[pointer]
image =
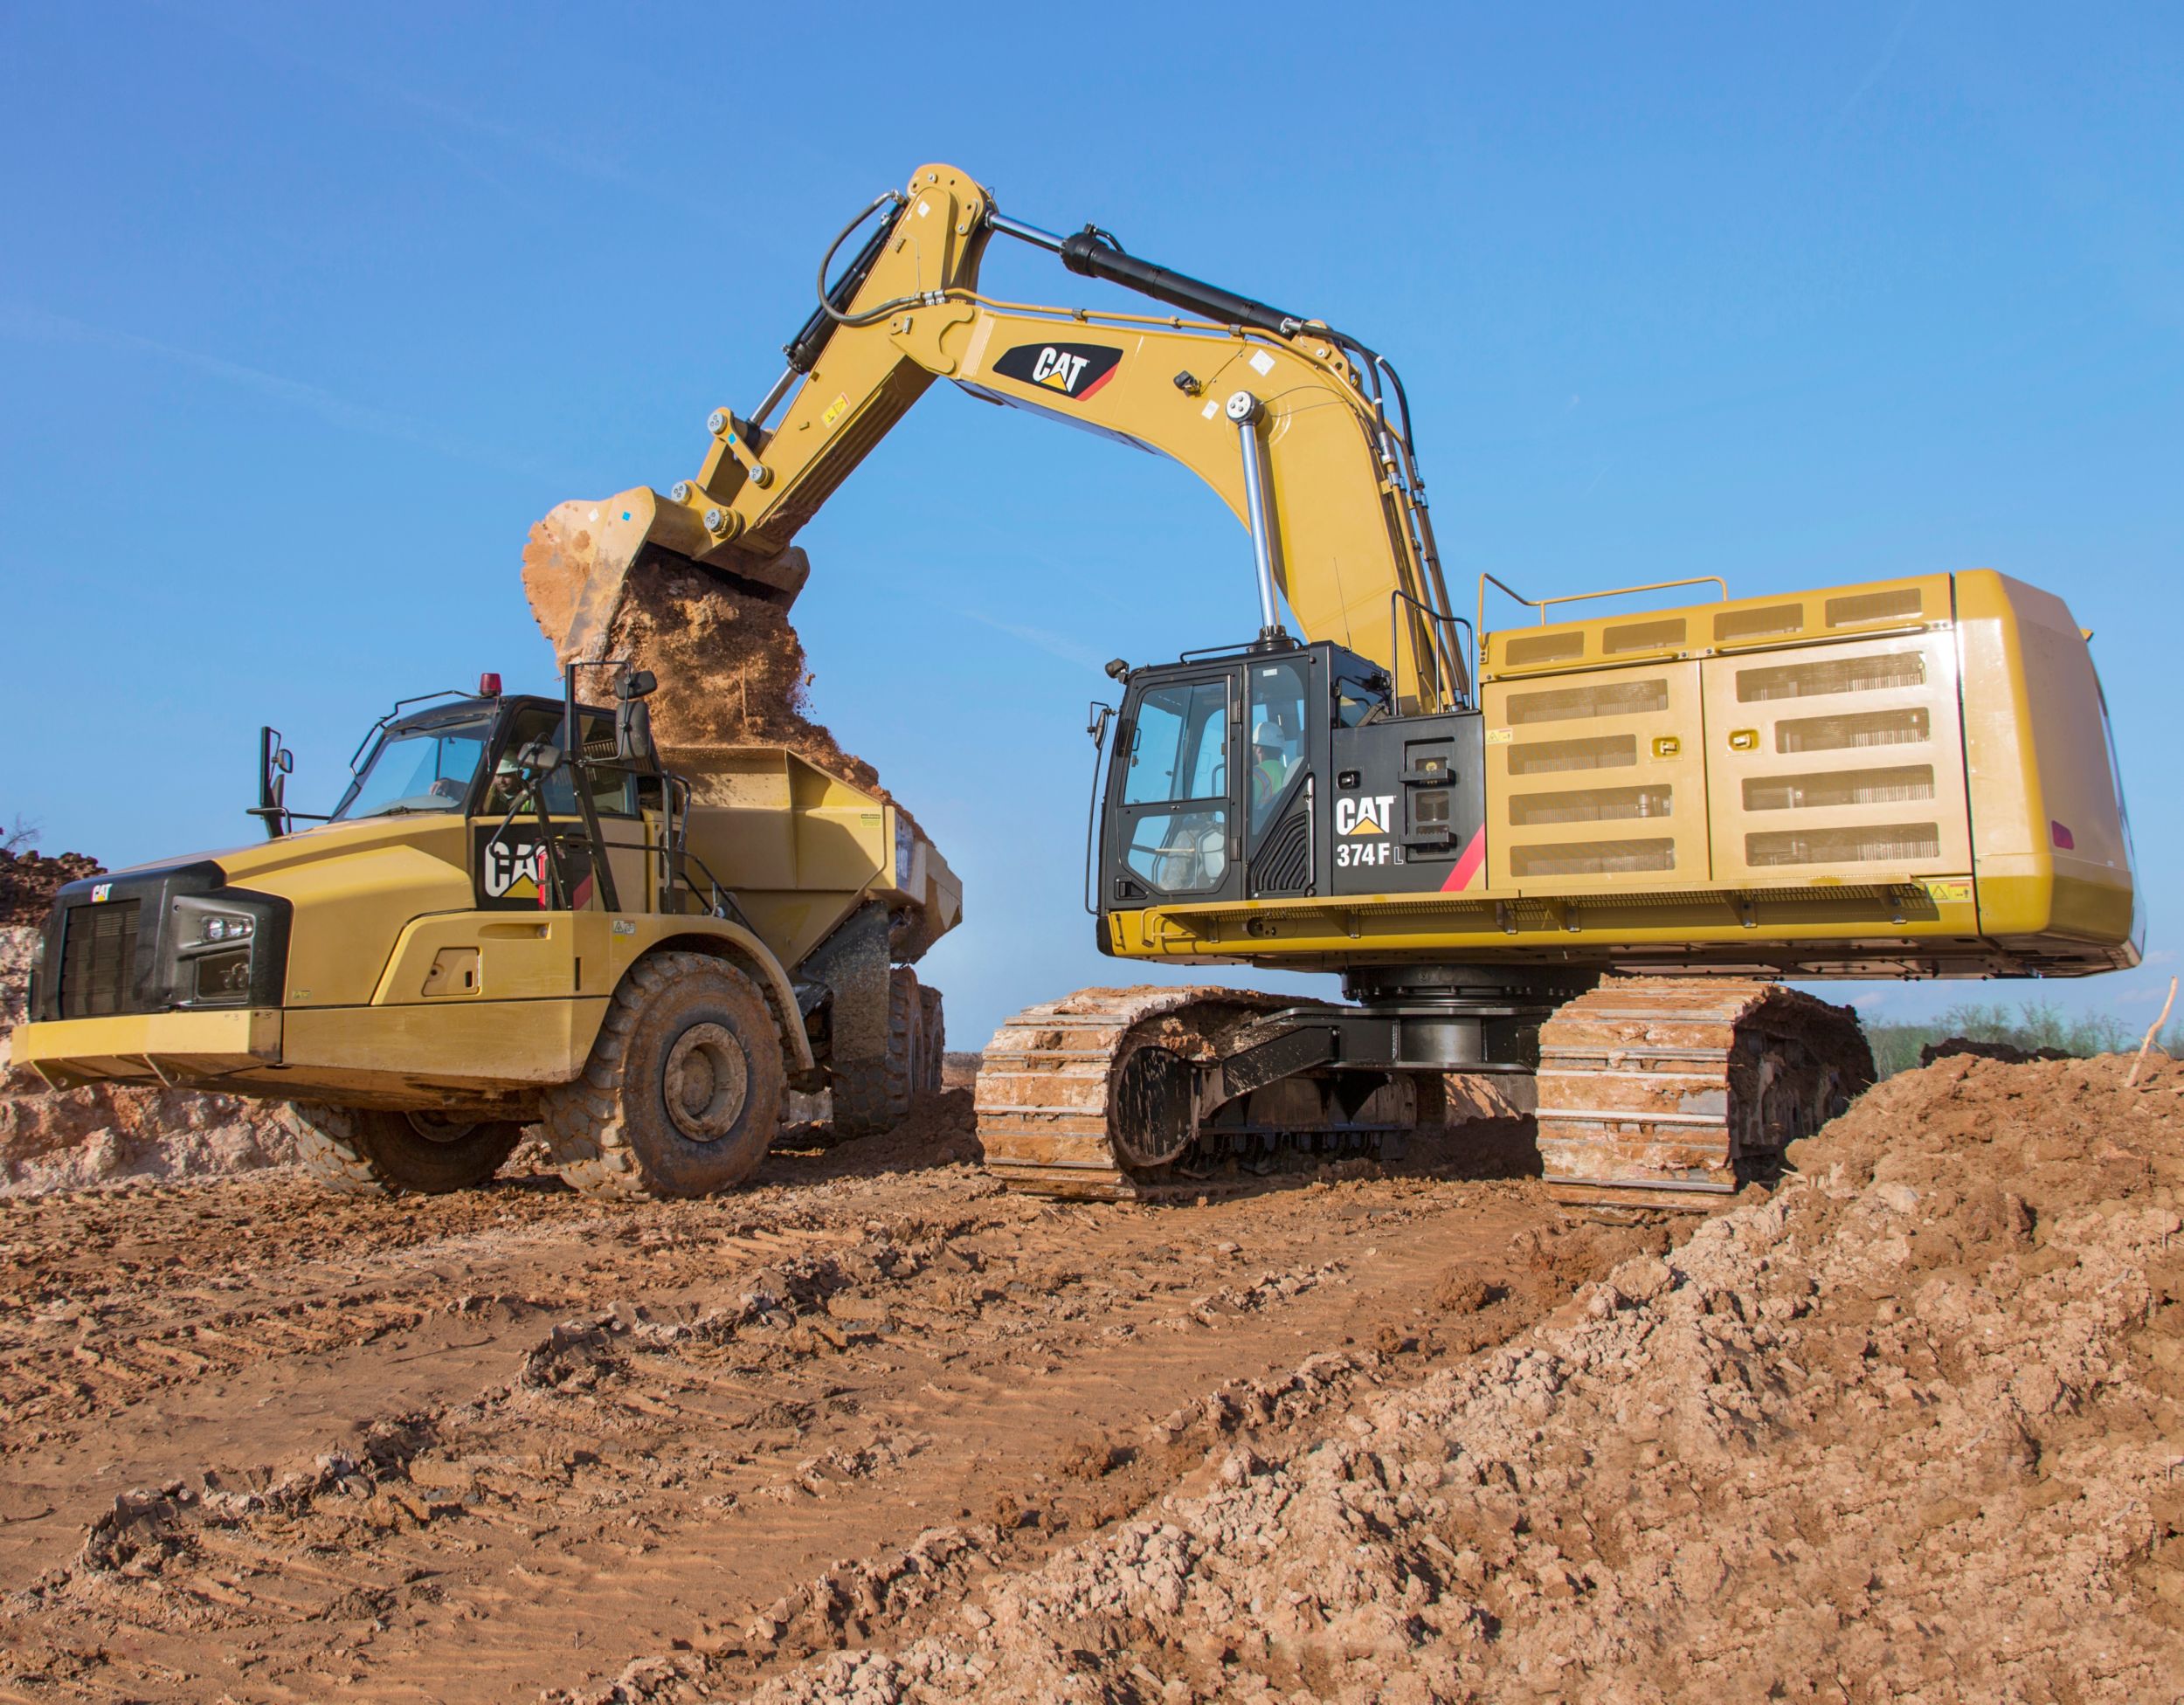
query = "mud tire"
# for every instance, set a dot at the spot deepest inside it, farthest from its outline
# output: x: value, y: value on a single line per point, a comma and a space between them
x: 613, y: 1132
x: 367, y: 1151
x: 871, y: 1096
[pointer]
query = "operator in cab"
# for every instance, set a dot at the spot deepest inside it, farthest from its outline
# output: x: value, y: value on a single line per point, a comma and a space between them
x: 1271, y: 768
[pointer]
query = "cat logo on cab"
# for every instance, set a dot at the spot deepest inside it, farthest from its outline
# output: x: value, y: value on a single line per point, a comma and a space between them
x: 1359, y: 815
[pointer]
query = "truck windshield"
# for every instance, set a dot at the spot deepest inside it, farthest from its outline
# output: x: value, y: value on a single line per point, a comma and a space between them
x: 418, y: 770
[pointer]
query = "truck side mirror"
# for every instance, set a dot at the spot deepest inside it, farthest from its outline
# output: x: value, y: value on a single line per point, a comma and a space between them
x: 1096, y: 719
x: 275, y: 764
x: 636, y: 684
x: 540, y: 755
x: 633, y: 731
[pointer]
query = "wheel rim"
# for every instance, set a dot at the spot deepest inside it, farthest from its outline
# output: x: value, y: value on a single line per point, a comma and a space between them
x: 440, y: 1127
x: 706, y: 1082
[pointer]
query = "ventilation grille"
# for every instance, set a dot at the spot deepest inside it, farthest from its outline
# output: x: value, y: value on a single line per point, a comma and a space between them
x: 1593, y: 857
x: 1659, y: 635
x: 1284, y: 864
x: 1904, y: 604
x: 1881, y: 843
x: 1733, y: 626
x: 1839, y: 787
x: 1840, y: 734
x: 1831, y: 675
x: 1544, y: 648
x: 1570, y: 704
x: 1547, y: 757
x: 1598, y: 805
x: 98, y: 960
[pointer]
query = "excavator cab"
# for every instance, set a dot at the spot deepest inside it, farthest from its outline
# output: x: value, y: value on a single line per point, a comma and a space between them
x: 1280, y: 770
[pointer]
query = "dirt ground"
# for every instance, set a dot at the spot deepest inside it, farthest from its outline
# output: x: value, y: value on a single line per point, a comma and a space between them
x: 873, y: 1429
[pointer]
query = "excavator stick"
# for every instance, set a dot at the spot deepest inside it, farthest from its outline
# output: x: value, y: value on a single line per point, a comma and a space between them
x: 577, y: 560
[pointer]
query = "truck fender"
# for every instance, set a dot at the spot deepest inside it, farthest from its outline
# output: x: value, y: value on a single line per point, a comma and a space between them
x: 731, y: 941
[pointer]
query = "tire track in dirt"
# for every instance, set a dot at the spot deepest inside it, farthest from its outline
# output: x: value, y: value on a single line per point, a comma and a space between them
x: 481, y: 1447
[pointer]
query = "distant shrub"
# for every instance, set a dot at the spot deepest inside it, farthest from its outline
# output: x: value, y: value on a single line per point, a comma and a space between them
x: 2033, y: 1025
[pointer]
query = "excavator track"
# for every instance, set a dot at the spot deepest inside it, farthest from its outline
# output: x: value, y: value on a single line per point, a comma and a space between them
x: 1672, y: 1092
x: 1060, y: 1105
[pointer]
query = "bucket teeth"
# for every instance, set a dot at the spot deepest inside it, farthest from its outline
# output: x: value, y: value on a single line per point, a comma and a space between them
x: 1675, y: 1092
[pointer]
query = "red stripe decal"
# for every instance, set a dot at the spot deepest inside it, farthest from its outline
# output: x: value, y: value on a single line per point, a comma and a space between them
x: 1467, y: 867
x: 1097, y: 383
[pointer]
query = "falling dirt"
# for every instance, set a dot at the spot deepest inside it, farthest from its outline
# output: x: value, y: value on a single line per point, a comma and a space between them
x: 875, y: 1429
x: 68, y: 1139
x: 732, y: 671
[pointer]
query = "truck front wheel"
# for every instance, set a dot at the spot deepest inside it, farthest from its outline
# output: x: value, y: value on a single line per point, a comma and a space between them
x: 370, y: 1151
x: 681, y: 1096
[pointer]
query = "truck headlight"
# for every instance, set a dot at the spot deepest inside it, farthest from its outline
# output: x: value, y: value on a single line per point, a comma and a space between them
x: 227, y: 926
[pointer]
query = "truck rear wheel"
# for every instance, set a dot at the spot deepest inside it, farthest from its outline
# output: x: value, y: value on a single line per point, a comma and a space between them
x: 368, y: 1152
x: 874, y: 1095
x: 683, y: 1093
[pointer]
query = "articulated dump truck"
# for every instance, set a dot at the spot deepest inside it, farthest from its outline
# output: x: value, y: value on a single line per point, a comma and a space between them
x: 518, y: 914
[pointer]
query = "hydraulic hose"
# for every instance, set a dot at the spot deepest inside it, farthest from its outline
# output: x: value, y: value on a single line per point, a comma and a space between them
x: 833, y: 300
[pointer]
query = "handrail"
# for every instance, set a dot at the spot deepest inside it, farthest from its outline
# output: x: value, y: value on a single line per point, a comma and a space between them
x: 1447, y: 644
x: 1540, y: 605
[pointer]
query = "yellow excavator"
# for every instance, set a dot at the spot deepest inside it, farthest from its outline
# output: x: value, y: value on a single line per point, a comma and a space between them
x: 1568, y: 852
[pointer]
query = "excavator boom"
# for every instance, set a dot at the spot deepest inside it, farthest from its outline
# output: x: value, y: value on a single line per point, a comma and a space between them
x: 1286, y: 420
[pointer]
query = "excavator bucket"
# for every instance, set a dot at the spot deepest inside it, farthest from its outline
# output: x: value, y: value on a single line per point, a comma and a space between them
x: 577, y: 560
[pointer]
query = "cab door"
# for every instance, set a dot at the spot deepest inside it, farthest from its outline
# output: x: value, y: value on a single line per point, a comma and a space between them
x: 1173, y: 829
x: 1284, y: 729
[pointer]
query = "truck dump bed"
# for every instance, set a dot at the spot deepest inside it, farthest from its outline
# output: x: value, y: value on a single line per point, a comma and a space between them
x: 801, y: 849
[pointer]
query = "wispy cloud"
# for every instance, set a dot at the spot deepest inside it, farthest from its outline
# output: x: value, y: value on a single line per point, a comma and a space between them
x: 34, y: 325
x: 1878, y: 68
x: 390, y: 93
x: 1055, y: 644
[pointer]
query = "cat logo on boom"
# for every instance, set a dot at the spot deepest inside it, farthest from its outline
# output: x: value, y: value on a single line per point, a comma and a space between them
x: 1074, y: 370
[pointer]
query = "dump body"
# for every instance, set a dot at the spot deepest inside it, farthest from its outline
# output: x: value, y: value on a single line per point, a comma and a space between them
x: 1907, y: 777
x: 406, y: 961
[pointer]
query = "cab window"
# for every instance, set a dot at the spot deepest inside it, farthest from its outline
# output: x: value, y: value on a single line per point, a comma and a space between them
x: 1277, y: 732
x: 1179, y: 749
x: 613, y: 791
x: 1356, y: 704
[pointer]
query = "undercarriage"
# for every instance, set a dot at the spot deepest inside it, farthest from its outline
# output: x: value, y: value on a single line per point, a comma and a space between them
x: 1657, y: 1092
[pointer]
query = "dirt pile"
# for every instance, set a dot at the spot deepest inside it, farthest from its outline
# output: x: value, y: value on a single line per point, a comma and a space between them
x: 29, y: 880
x: 1912, y: 1427
x: 64, y: 1140
x: 731, y: 669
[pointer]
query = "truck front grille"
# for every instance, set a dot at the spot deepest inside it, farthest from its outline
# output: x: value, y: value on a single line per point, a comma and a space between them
x: 98, y: 960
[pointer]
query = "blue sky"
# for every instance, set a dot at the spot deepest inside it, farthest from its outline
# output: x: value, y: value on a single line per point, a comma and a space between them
x: 306, y: 313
